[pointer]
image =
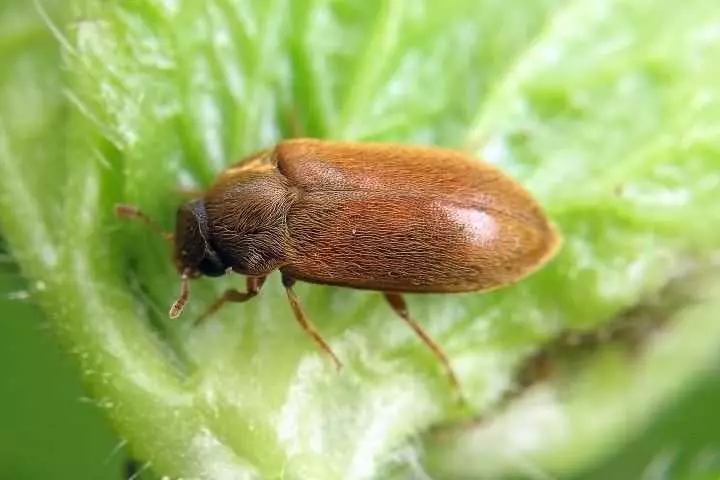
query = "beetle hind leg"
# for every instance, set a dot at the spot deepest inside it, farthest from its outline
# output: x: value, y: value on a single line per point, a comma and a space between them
x: 397, y: 302
x: 305, y: 322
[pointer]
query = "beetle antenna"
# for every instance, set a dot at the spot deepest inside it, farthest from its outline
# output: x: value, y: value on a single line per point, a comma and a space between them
x: 177, y: 307
x: 129, y: 211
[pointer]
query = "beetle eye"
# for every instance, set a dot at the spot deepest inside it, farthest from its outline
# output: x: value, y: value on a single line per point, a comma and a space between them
x: 211, y: 265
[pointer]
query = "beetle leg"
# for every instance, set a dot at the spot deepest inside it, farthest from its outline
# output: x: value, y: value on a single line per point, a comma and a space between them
x: 233, y: 295
x: 397, y: 302
x: 305, y: 322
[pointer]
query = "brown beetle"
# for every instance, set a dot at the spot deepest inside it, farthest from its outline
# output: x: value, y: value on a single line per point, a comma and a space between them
x: 392, y: 218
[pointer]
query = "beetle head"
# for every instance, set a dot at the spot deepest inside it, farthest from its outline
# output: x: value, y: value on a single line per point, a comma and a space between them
x: 194, y: 256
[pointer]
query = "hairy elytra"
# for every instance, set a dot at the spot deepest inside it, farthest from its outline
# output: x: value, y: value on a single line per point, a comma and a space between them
x: 385, y: 217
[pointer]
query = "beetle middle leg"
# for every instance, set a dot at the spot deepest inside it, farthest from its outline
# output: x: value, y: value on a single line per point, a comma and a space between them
x: 235, y: 296
x: 397, y: 302
x: 305, y: 322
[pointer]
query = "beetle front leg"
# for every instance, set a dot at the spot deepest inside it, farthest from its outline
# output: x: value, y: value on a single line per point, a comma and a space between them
x: 305, y: 322
x: 397, y: 302
x: 233, y: 295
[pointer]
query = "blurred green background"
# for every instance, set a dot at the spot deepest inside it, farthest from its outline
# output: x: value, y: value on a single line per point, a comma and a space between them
x: 50, y: 428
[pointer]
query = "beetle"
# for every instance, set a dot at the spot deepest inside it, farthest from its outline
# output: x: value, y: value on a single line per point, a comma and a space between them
x: 385, y: 217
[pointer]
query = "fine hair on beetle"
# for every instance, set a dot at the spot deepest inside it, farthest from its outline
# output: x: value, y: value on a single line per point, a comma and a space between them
x: 373, y: 216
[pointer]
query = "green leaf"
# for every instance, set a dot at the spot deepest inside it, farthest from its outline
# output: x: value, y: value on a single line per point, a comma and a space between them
x: 606, y: 111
